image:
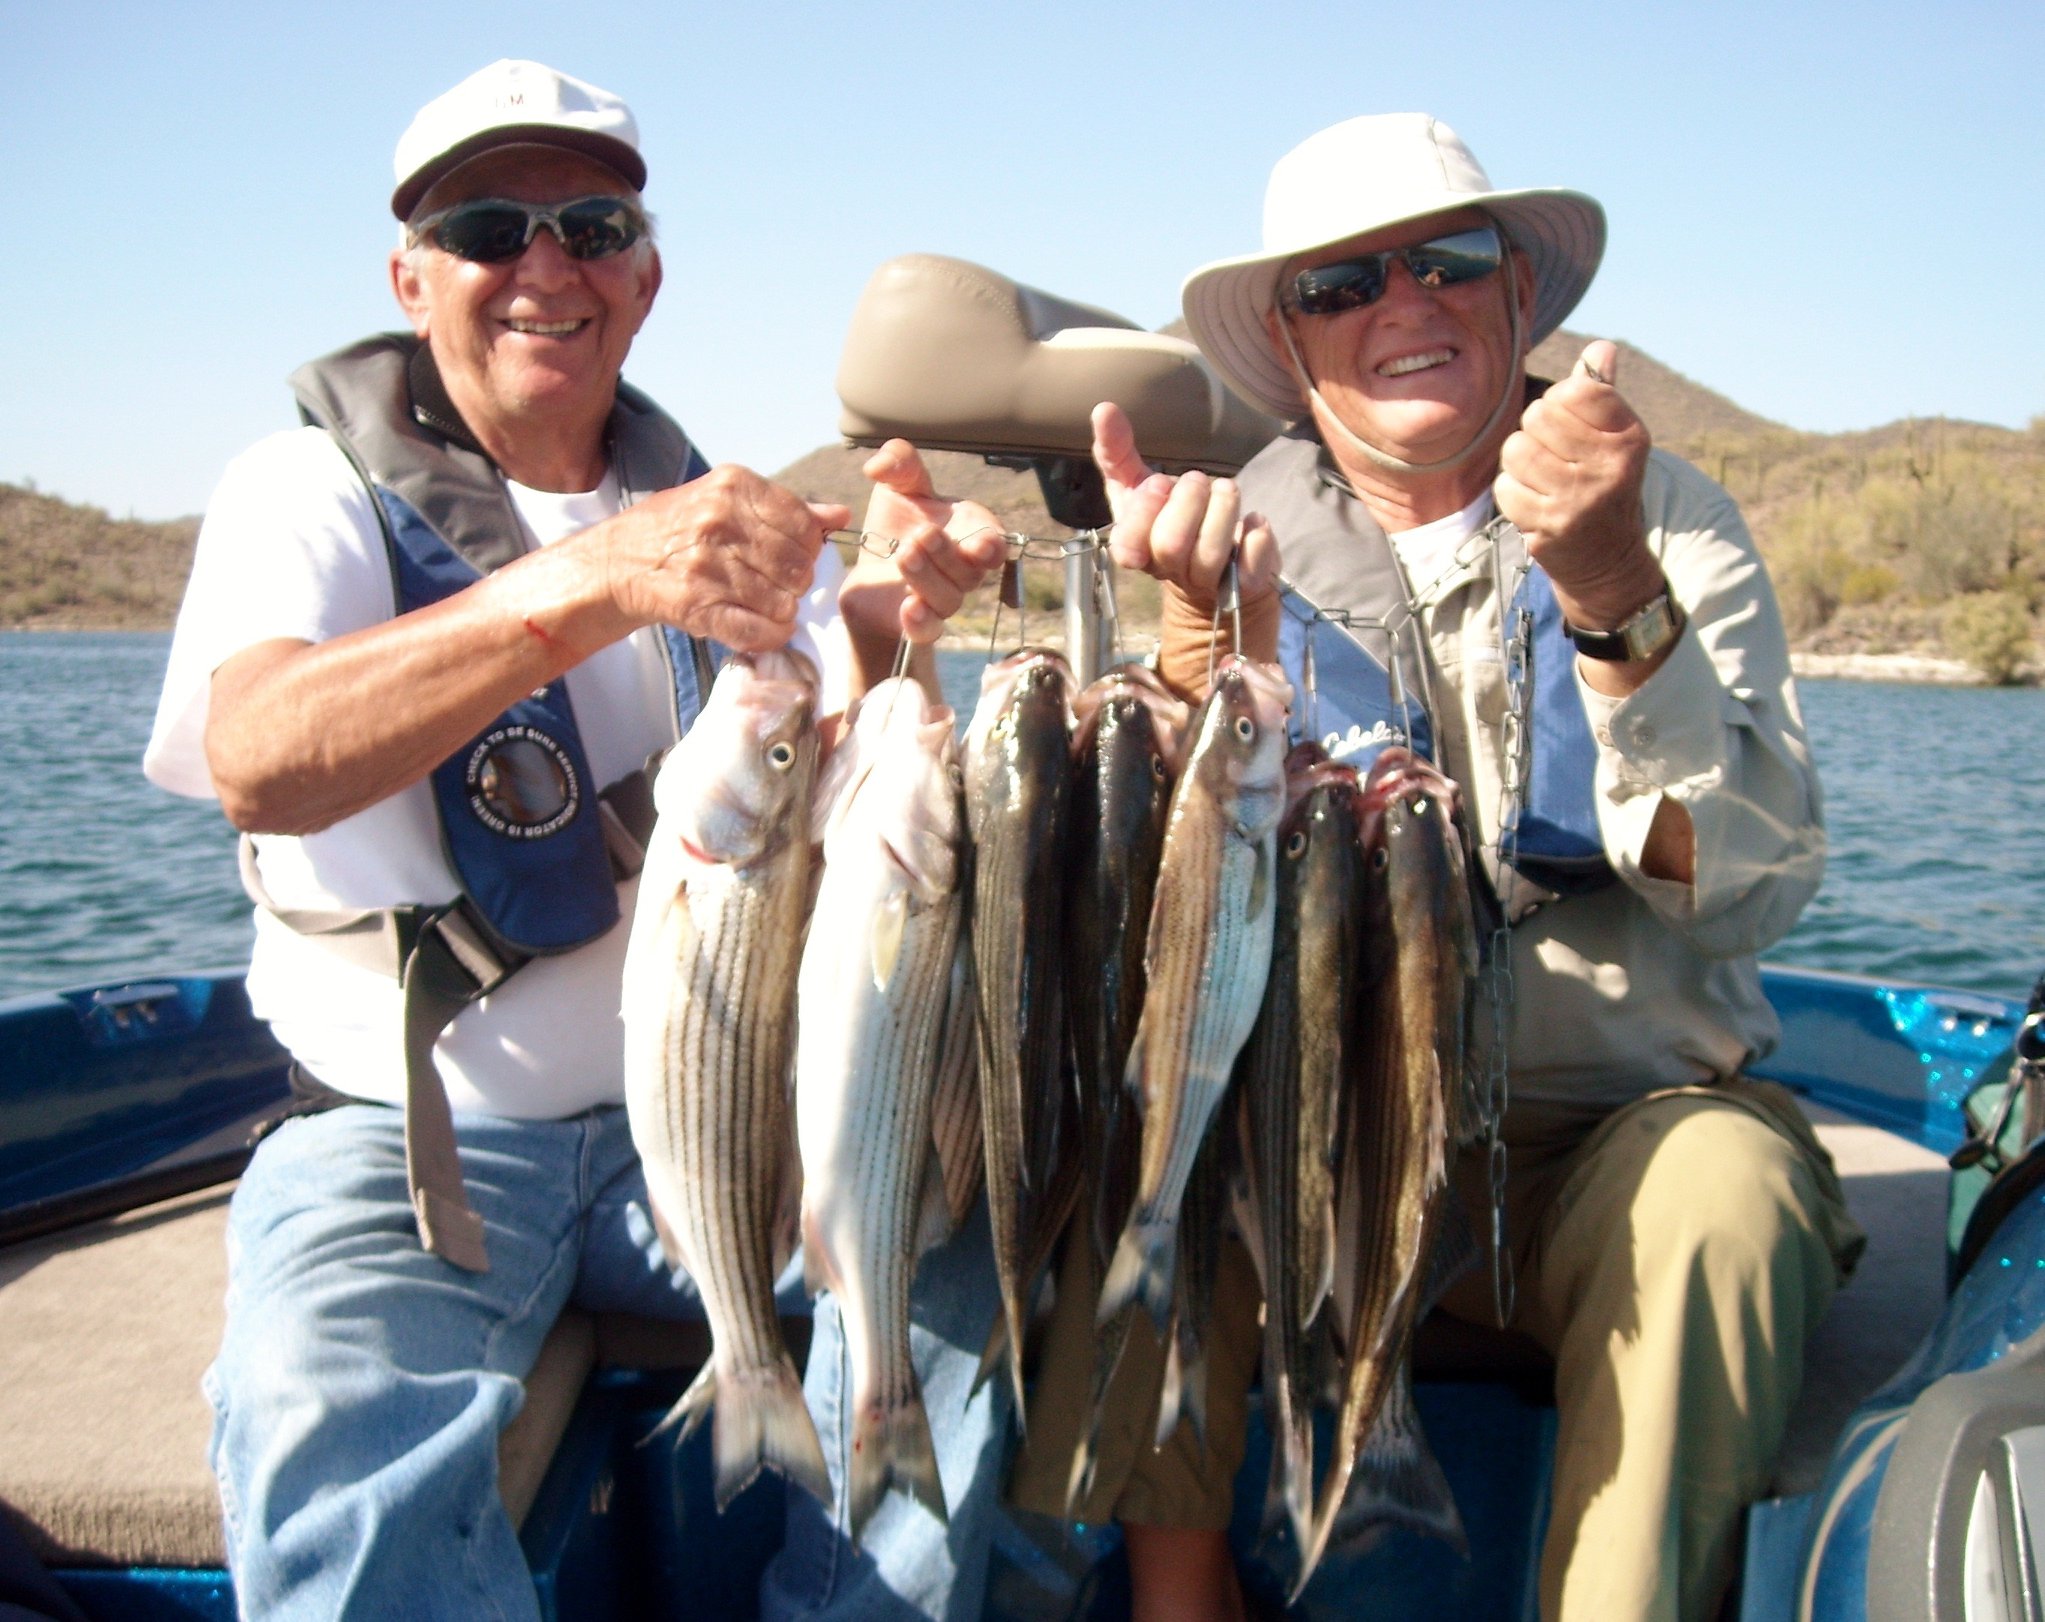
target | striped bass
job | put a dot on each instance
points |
(1016, 751)
(708, 1010)
(1397, 1135)
(1126, 751)
(1208, 951)
(874, 982)
(1299, 1062)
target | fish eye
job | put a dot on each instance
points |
(781, 755)
(1296, 843)
(955, 774)
(1157, 767)
(1246, 729)
(1380, 859)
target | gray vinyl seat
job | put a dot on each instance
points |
(959, 357)
(104, 1333)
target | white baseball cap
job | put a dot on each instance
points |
(513, 103)
(1362, 175)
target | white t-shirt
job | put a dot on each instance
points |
(290, 548)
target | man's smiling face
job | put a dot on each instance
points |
(539, 339)
(1419, 371)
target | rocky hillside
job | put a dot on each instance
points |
(70, 567)
(1923, 536)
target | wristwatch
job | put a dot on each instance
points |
(1641, 636)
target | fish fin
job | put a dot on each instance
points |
(1170, 1396)
(1145, 1265)
(1398, 1481)
(788, 1209)
(764, 1421)
(1132, 1068)
(933, 1215)
(890, 918)
(891, 1447)
(1193, 1382)
(1322, 1285)
(1260, 880)
(818, 1273)
(690, 1408)
(1289, 1493)
(1109, 1345)
(995, 1355)
(1085, 1464)
(670, 1246)
(1452, 1251)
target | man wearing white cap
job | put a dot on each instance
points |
(1675, 1229)
(430, 641)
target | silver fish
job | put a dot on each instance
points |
(1208, 952)
(876, 975)
(708, 1009)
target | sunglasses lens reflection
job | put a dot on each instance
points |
(1352, 283)
(489, 233)
(1347, 286)
(596, 228)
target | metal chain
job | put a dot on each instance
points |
(1516, 633)
(1035, 548)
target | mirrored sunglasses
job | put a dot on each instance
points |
(1350, 284)
(491, 230)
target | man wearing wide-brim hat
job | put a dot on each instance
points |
(1674, 1230)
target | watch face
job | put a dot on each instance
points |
(1651, 630)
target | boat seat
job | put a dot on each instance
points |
(1896, 1191)
(104, 1333)
(958, 357)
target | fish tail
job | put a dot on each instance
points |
(1399, 1482)
(891, 1447)
(1171, 1399)
(1109, 1345)
(1145, 1264)
(997, 1352)
(762, 1420)
(1395, 1480)
(691, 1408)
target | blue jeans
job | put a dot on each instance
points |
(362, 1383)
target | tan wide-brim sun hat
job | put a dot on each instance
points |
(1367, 174)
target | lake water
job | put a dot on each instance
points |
(1933, 799)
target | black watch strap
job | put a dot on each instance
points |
(1643, 635)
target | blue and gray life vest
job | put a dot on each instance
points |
(538, 849)
(1343, 585)
(522, 822)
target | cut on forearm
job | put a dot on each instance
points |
(301, 735)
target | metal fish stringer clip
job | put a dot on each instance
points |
(1230, 602)
(1021, 548)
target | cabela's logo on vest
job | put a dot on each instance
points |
(521, 783)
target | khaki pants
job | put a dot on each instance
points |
(1672, 1256)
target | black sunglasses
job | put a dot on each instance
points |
(491, 230)
(1350, 284)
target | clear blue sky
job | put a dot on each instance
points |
(1832, 213)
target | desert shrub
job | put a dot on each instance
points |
(1991, 631)
(1867, 583)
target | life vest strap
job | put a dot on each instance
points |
(445, 958)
